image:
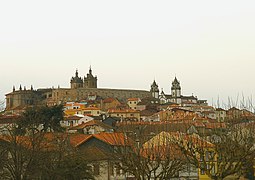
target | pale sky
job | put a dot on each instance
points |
(208, 45)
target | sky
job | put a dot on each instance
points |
(208, 45)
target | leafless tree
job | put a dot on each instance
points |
(151, 160)
(230, 155)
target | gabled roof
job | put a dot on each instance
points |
(133, 99)
(78, 139)
(69, 118)
(91, 123)
(113, 139)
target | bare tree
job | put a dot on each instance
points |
(230, 155)
(37, 154)
(151, 160)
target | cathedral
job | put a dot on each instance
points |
(176, 96)
(88, 82)
(81, 88)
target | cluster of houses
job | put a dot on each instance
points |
(98, 124)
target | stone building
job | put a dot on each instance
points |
(80, 89)
(19, 99)
(177, 97)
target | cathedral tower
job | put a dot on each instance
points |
(176, 88)
(154, 90)
(76, 81)
(90, 81)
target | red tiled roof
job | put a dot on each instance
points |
(116, 139)
(77, 139)
(91, 123)
(122, 111)
(133, 99)
(73, 118)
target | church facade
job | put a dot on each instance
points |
(177, 97)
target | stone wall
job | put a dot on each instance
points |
(66, 94)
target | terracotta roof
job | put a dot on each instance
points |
(78, 139)
(133, 99)
(122, 111)
(215, 125)
(91, 123)
(115, 139)
(91, 108)
(73, 118)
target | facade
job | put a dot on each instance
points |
(177, 97)
(17, 100)
(132, 103)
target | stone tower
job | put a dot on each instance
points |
(76, 81)
(90, 81)
(176, 88)
(154, 90)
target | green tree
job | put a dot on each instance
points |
(42, 119)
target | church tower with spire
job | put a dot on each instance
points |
(154, 90)
(176, 89)
(76, 81)
(90, 81)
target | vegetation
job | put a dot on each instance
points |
(30, 152)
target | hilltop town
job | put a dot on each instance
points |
(168, 134)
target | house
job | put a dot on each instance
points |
(220, 114)
(98, 149)
(132, 103)
(110, 103)
(125, 114)
(7, 122)
(70, 121)
(92, 127)
(111, 121)
(177, 114)
(147, 113)
(162, 146)
(148, 103)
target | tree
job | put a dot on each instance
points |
(30, 152)
(230, 155)
(158, 158)
(42, 119)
